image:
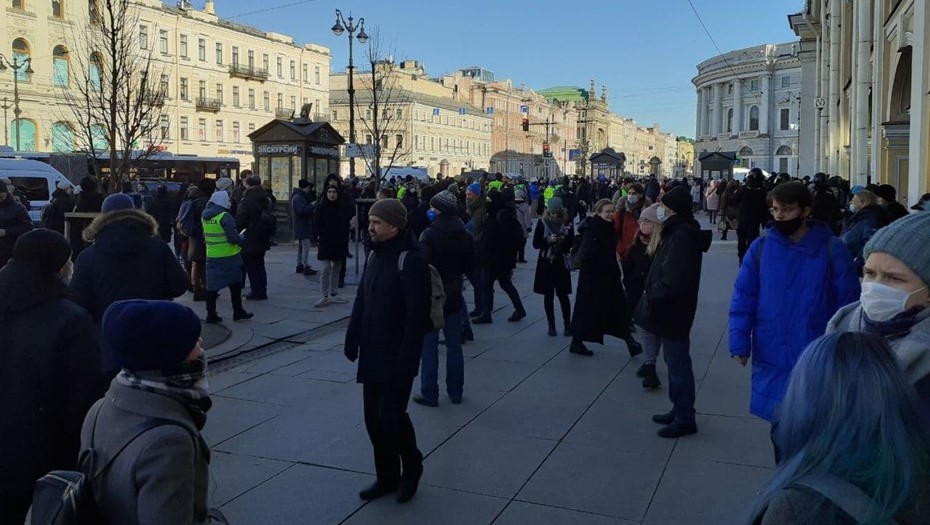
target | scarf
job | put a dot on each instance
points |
(195, 399)
(895, 328)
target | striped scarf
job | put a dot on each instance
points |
(195, 399)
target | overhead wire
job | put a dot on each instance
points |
(711, 37)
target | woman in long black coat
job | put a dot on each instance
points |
(600, 306)
(553, 238)
(331, 222)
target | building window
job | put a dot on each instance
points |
(202, 129)
(184, 133)
(164, 125)
(293, 102)
(318, 106)
(368, 138)
(219, 131)
(163, 41)
(236, 96)
(24, 134)
(784, 151)
(784, 115)
(266, 101)
(95, 71)
(730, 88)
(18, 4)
(182, 46)
(280, 100)
(265, 62)
(399, 139)
(783, 165)
(183, 90)
(754, 118)
(62, 137)
(235, 132)
(293, 70)
(280, 67)
(251, 127)
(219, 54)
(316, 75)
(143, 37)
(202, 49)
(61, 67)
(304, 71)
(745, 152)
(730, 120)
(93, 12)
(163, 84)
(251, 98)
(235, 55)
(400, 113)
(754, 85)
(202, 90)
(21, 53)
(251, 59)
(57, 9)
(786, 81)
(335, 115)
(219, 93)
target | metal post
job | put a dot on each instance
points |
(6, 131)
(16, 111)
(343, 25)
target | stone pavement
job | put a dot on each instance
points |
(542, 436)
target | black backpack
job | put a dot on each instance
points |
(66, 497)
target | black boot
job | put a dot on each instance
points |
(650, 379)
(409, 481)
(377, 489)
(517, 315)
(552, 330)
(239, 312)
(633, 346)
(579, 348)
(212, 318)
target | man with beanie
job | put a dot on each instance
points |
(149, 423)
(449, 248)
(250, 214)
(669, 303)
(224, 264)
(124, 259)
(476, 206)
(53, 216)
(14, 221)
(887, 198)
(51, 368)
(385, 334)
(302, 206)
(895, 300)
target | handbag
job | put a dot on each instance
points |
(722, 225)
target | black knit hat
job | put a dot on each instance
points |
(47, 250)
(149, 335)
(678, 199)
(445, 203)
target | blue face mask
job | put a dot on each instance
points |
(431, 214)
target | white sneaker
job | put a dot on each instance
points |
(322, 302)
(338, 299)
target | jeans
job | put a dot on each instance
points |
(303, 252)
(466, 323)
(390, 429)
(258, 277)
(487, 291)
(455, 362)
(680, 378)
(329, 278)
(650, 342)
(474, 279)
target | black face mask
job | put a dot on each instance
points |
(789, 227)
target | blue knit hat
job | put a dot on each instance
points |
(906, 239)
(474, 187)
(117, 202)
(143, 335)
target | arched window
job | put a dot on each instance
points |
(754, 118)
(784, 151)
(93, 12)
(62, 137)
(730, 120)
(94, 71)
(19, 4)
(61, 67)
(21, 53)
(745, 152)
(24, 135)
(99, 136)
(58, 8)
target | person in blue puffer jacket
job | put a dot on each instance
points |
(868, 216)
(791, 283)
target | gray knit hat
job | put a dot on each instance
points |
(391, 211)
(906, 239)
(445, 203)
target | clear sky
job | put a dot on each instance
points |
(645, 52)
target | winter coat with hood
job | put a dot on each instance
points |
(636, 267)
(753, 210)
(626, 223)
(500, 238)
(127, 260)
(53, 217)
(552, 271)
(14, 218)
(782, 301)
(859, 229)
(303, 206)
(670, 293)
(391, 313)
(600, 306)
(248, 216)
(50, 375)
(331, 221)
(223, 272)
(448, 246)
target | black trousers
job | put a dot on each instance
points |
(743, 240)
(390, 429)
(255, 270)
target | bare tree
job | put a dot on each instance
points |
(118, 95)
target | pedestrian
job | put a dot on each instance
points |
(53, 216)
(867, 217)
(252, 216)
(895, 302)
(696, 194)
(827, 206)
(635, 270)
(729, 207)
(449, 248)
(791, 283)
(224, 266)
(753, 211)
(712, 201)
(14, 221)
(854, 450)
(303, 206)
(669, 303)
(149, 423)
(192, 223)
(600, 305)
(554, 239)
(332, 224)
(887, 198)
(385, 334)
(162, 210)
(524, 217)
(626, 218)
(497, 244)
(51, 368)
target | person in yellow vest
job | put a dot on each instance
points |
(497, 183)
(224, 264)
(548, 193)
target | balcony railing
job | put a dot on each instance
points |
(156, 99)
(248, 72)
(209, 104)
(284, 113)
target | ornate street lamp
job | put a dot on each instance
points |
(342, 26)
(16, 65)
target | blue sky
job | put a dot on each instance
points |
(646, 52)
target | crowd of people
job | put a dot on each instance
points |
(830, 306)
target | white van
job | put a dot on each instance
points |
(36, 179)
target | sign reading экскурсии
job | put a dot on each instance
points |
(294, 149)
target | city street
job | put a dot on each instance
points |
(542, 436)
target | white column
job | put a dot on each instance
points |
(832, 110)
(706, 109)
(737, 106)
(917, 182)
(860, 149)
(765, 102)
(716, 109)
(699, 124)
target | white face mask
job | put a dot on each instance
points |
(882, 302)
(662, 214)
(853, 208)
(633, 199)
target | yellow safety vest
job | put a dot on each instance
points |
(550, 191)
(217, 244)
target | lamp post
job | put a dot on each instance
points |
(15, 65)
(342, 25)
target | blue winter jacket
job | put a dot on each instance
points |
(779, 308)
(860, 228)
(303, 207)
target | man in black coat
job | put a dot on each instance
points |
(53, 216)
(389, 319)
(257, 239)
(498, 244)
(669, 303)
(753, 211)
(127, 260)
(51, 368)
(14, 221)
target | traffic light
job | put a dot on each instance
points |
(546, 153)
(526, 124)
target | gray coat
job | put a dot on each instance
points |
(161, 476)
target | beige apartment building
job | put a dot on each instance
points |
(221, 80)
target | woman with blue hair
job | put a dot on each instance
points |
(853, 448)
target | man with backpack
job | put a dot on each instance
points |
(390, 316)
(255, 215)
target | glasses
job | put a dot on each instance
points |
(787, 210)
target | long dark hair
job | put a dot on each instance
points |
(850, 413)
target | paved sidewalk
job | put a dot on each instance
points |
(542, 436)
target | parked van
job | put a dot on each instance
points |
(36, 179)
